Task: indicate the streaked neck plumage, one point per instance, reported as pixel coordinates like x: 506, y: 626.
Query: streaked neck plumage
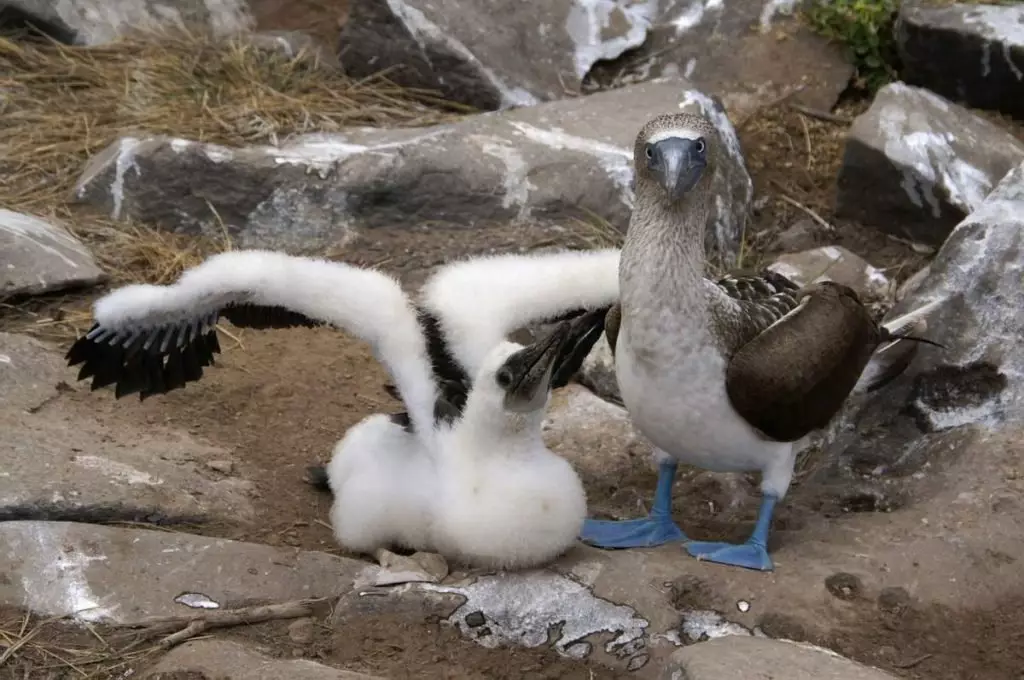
x: 662, y: 264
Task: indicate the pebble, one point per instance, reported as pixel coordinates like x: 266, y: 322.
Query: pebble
x: 301, y: 631
x: 844, y: 586
x: 224, y: 466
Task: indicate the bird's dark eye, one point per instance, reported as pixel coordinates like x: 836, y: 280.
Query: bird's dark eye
x: 504, y: 378
x: 649, y: 152
x: 700, y: 146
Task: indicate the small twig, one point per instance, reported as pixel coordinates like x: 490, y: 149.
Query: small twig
x: 821, y: 115
x: 193, y: 629
x: 194, y: 625
x: 810, y: 213
x: 913, y: 662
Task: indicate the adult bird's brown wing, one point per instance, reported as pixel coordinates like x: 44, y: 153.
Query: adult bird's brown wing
x: 794, y: 376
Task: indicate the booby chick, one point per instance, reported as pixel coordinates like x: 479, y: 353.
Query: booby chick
x: 726, y: 375
x: 488, y: 493
x: 462, y: 471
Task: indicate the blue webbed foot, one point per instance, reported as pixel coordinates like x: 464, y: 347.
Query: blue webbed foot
x: 753, y: 554
x: 656, y: 529
x: 633, y: 533
x: 750, y: 555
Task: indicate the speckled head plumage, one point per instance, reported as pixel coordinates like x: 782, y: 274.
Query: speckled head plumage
x: 675, y: 151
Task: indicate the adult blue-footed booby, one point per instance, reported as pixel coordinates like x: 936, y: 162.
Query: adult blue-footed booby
x: 726, y: 375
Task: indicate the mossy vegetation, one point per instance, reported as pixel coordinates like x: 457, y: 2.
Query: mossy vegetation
x: 866, y: 29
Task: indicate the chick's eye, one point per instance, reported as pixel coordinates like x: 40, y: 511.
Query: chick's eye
x: 504, y: 378
x: 700, y: 146
x: 649, y: 153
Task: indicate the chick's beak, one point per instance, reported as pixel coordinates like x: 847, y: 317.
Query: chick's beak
x: 531, y: 369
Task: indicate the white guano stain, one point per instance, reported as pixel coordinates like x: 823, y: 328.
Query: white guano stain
x: 694, y: 13
x: 43, y: 235
x: 616, y: 161
x: 587, y: 21
x: 516, y: 183
x: 929, y: 156
x: 322, y: 150
x: 53, y: 577
x: 117, y: 471
x: 701, y: 625
x: 1003, y: 25
x: 522, y: 608
x: 423, y: 31
x: 125, y: 161
x: 774, y: 7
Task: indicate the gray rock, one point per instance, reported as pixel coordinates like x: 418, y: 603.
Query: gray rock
x: 975, y: 386
x: 38, y: 256
x: 747, y: 53
x: 596, y: 436
x: 473, y: 51
x: 29, y: 372
x: 835, y: 263
x: 916, y: 164
x: 227, y: 660
x: 93, y: 22
x: 598, y: 372
x: 969, y: 52
x: 544, y: 162
x: 125, y: 576
x: 418, y: 568
x: 758, y: 658
x: 62, y: 461
x: 801, y: 235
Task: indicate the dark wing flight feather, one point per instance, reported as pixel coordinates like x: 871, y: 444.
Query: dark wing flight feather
x: 159, y: 358
x: 792, y: 378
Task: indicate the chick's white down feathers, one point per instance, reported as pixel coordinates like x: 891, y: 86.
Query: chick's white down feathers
x: 488, y: 493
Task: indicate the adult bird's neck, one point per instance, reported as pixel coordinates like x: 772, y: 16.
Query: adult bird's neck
x: 663, y: 257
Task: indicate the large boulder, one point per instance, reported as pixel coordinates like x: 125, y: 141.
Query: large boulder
x: 63, y: 460
x: 730, y: 49
x: 750, y: 54
x: 125, y: 576
x: 40, y: 256
x: 968, y: 392
x: 548, y: 162
x: 916, y: 164
x: 93, y: 22
x: 474, y: 52
x: 968, y: 52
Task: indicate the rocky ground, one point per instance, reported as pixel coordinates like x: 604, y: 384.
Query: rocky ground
x: 898, y: 547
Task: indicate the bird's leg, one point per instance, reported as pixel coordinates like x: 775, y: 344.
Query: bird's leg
x: 753, y: 554
x: 655, y: 529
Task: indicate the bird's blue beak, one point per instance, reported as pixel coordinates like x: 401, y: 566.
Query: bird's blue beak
x: 677, y: 163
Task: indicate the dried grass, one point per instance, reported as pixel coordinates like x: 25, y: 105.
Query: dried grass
x: 47, y: 648
x: 62, y: 104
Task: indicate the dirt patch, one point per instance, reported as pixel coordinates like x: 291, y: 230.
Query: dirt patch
x: 392, y: 646
x: 929, y: 643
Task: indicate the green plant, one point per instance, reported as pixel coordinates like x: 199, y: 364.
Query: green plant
x: 865, y: 28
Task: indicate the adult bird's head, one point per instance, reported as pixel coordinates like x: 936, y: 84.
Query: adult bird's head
x: 674, y: 155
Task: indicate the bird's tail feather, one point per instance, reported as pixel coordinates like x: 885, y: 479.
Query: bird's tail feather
x: 901, y: 340
x: 479, y: 301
